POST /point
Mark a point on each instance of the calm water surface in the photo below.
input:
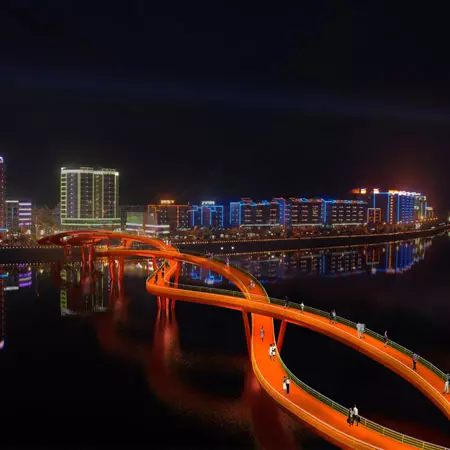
(81, 367)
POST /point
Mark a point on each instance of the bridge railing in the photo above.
(342, 320)
(320, 313)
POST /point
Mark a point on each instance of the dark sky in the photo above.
(211, 101)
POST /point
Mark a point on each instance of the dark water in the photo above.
(120, 374)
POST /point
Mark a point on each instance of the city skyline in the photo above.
(228, 102)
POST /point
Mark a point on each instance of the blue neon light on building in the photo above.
(208, 214)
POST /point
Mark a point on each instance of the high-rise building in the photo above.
(167, 212)
(18, 216)
(89, 198)
(2, 196)
(420, 207)
(208, 214)
(392, 206)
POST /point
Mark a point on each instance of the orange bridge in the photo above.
(326, 417)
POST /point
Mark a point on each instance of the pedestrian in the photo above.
(228, 262)
(414, 360)
(302, 307)
(274, 351)
(358, 329)
(350, 417)
(386, 339)
(286, 302)
(262, 333)
(270, 351)
(284, 384)
(334, 315)
(447, 384)
(288, 385)
(356, 415)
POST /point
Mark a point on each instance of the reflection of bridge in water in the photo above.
(324, 415)
(253, 409)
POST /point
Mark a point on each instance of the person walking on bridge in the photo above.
(302, 307)
(262, 334)
(356, 415)
(363, 331)
(270, 351)
(284, 384)
(350, 417)
(414, 361)
(386, 339)
(447, 384)
(333, 316)
(358, 329)
(286, 302)
(274, 351)
(288, 384)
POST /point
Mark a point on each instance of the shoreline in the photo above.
(235, 246)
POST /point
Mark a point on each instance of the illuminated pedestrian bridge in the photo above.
(325, 416)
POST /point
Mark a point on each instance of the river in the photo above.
(82, 368)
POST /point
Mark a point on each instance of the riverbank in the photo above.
(239, 246)
(229, 247)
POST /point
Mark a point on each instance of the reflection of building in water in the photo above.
(391, 258)
(347, 261)
(201, 274)
(86, 294)
(2, 312)
(396, 257)
(17, 277)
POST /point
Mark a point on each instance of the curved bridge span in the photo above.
(325, 416)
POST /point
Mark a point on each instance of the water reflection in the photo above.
(252, 410)
(391, 258)
(94, 295)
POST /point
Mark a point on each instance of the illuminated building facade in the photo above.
(89, 198)
(167, 212)
(306, 212)
(392, 206)
(125, 209)
(247, 213)
(208, 214)
(429, 212)
(345, 213)
(18, 216)
(145, 224)
(2, 195)
(420, 207)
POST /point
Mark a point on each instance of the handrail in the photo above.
(321, 313)
(324, 399)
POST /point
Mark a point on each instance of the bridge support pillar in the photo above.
(177, 275)
(83, 256)
(91, 255)
(247, 332)
(120, 272)
(281, 334)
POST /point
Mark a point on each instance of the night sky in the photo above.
(211, 102)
